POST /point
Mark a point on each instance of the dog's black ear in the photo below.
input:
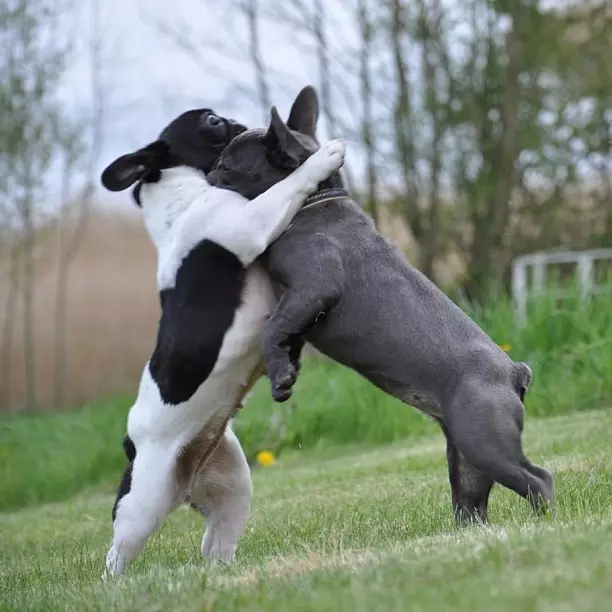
(283, 147)
(128, 169)
(305, 112)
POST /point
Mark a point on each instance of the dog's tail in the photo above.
(521, 379)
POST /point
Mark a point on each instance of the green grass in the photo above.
(568, 345)
(49, 457)
(344, 529)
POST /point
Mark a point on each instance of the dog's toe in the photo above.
(283, 384)
(336, 147)
(281, 395)
(216, 550)
(287, 379)
(115, 563)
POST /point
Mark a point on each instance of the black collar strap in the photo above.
(325, 195)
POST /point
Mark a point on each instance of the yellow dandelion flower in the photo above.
(266, 457)
(505, 347)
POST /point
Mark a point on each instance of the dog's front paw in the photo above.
(115, 564)
(282, 383)
(328, 159)
(217, 550)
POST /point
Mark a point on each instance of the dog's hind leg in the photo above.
(148, 492)
(485, 425)
(222, 492)
(470, 486)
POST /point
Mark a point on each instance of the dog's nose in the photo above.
(238, 128)
(213, 178)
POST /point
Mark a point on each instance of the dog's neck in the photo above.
(325, 195)
(167, 199)
(331, 188)
(333, 182)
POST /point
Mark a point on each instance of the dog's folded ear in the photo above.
(284, 149)
(128, 169)
(304, 113)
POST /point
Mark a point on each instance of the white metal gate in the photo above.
(539, 261)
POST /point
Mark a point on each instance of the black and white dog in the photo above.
(352, 294)
(214, 302)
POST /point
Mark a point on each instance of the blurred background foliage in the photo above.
(479, 130)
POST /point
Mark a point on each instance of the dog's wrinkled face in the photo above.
(258, 159)
(194, 139)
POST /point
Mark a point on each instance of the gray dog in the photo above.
(350, 292)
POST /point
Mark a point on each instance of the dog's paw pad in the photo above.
(281, 395)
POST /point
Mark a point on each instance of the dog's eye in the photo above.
(212, 120)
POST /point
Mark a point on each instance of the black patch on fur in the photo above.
(129, 448)
(124, 488)
(136, 194)
(126, 480)
(197, 508)
(196, 314)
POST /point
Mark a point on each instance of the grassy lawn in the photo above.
(343, 529)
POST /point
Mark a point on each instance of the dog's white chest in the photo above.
(243, 337)
(219, 394)
(182, 210)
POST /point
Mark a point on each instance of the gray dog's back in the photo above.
(352, 294)
(387, 310)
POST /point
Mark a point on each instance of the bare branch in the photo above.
(70, 239)
(367, 131)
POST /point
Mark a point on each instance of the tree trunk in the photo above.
(432, 59)
(323, 61)
(8, 326)
(251, 10)
(365, 28)
(403, 123)
(489, 229)
(29, 295)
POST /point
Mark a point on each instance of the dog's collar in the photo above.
(325, 195)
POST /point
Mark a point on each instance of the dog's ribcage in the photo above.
(188, 219)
